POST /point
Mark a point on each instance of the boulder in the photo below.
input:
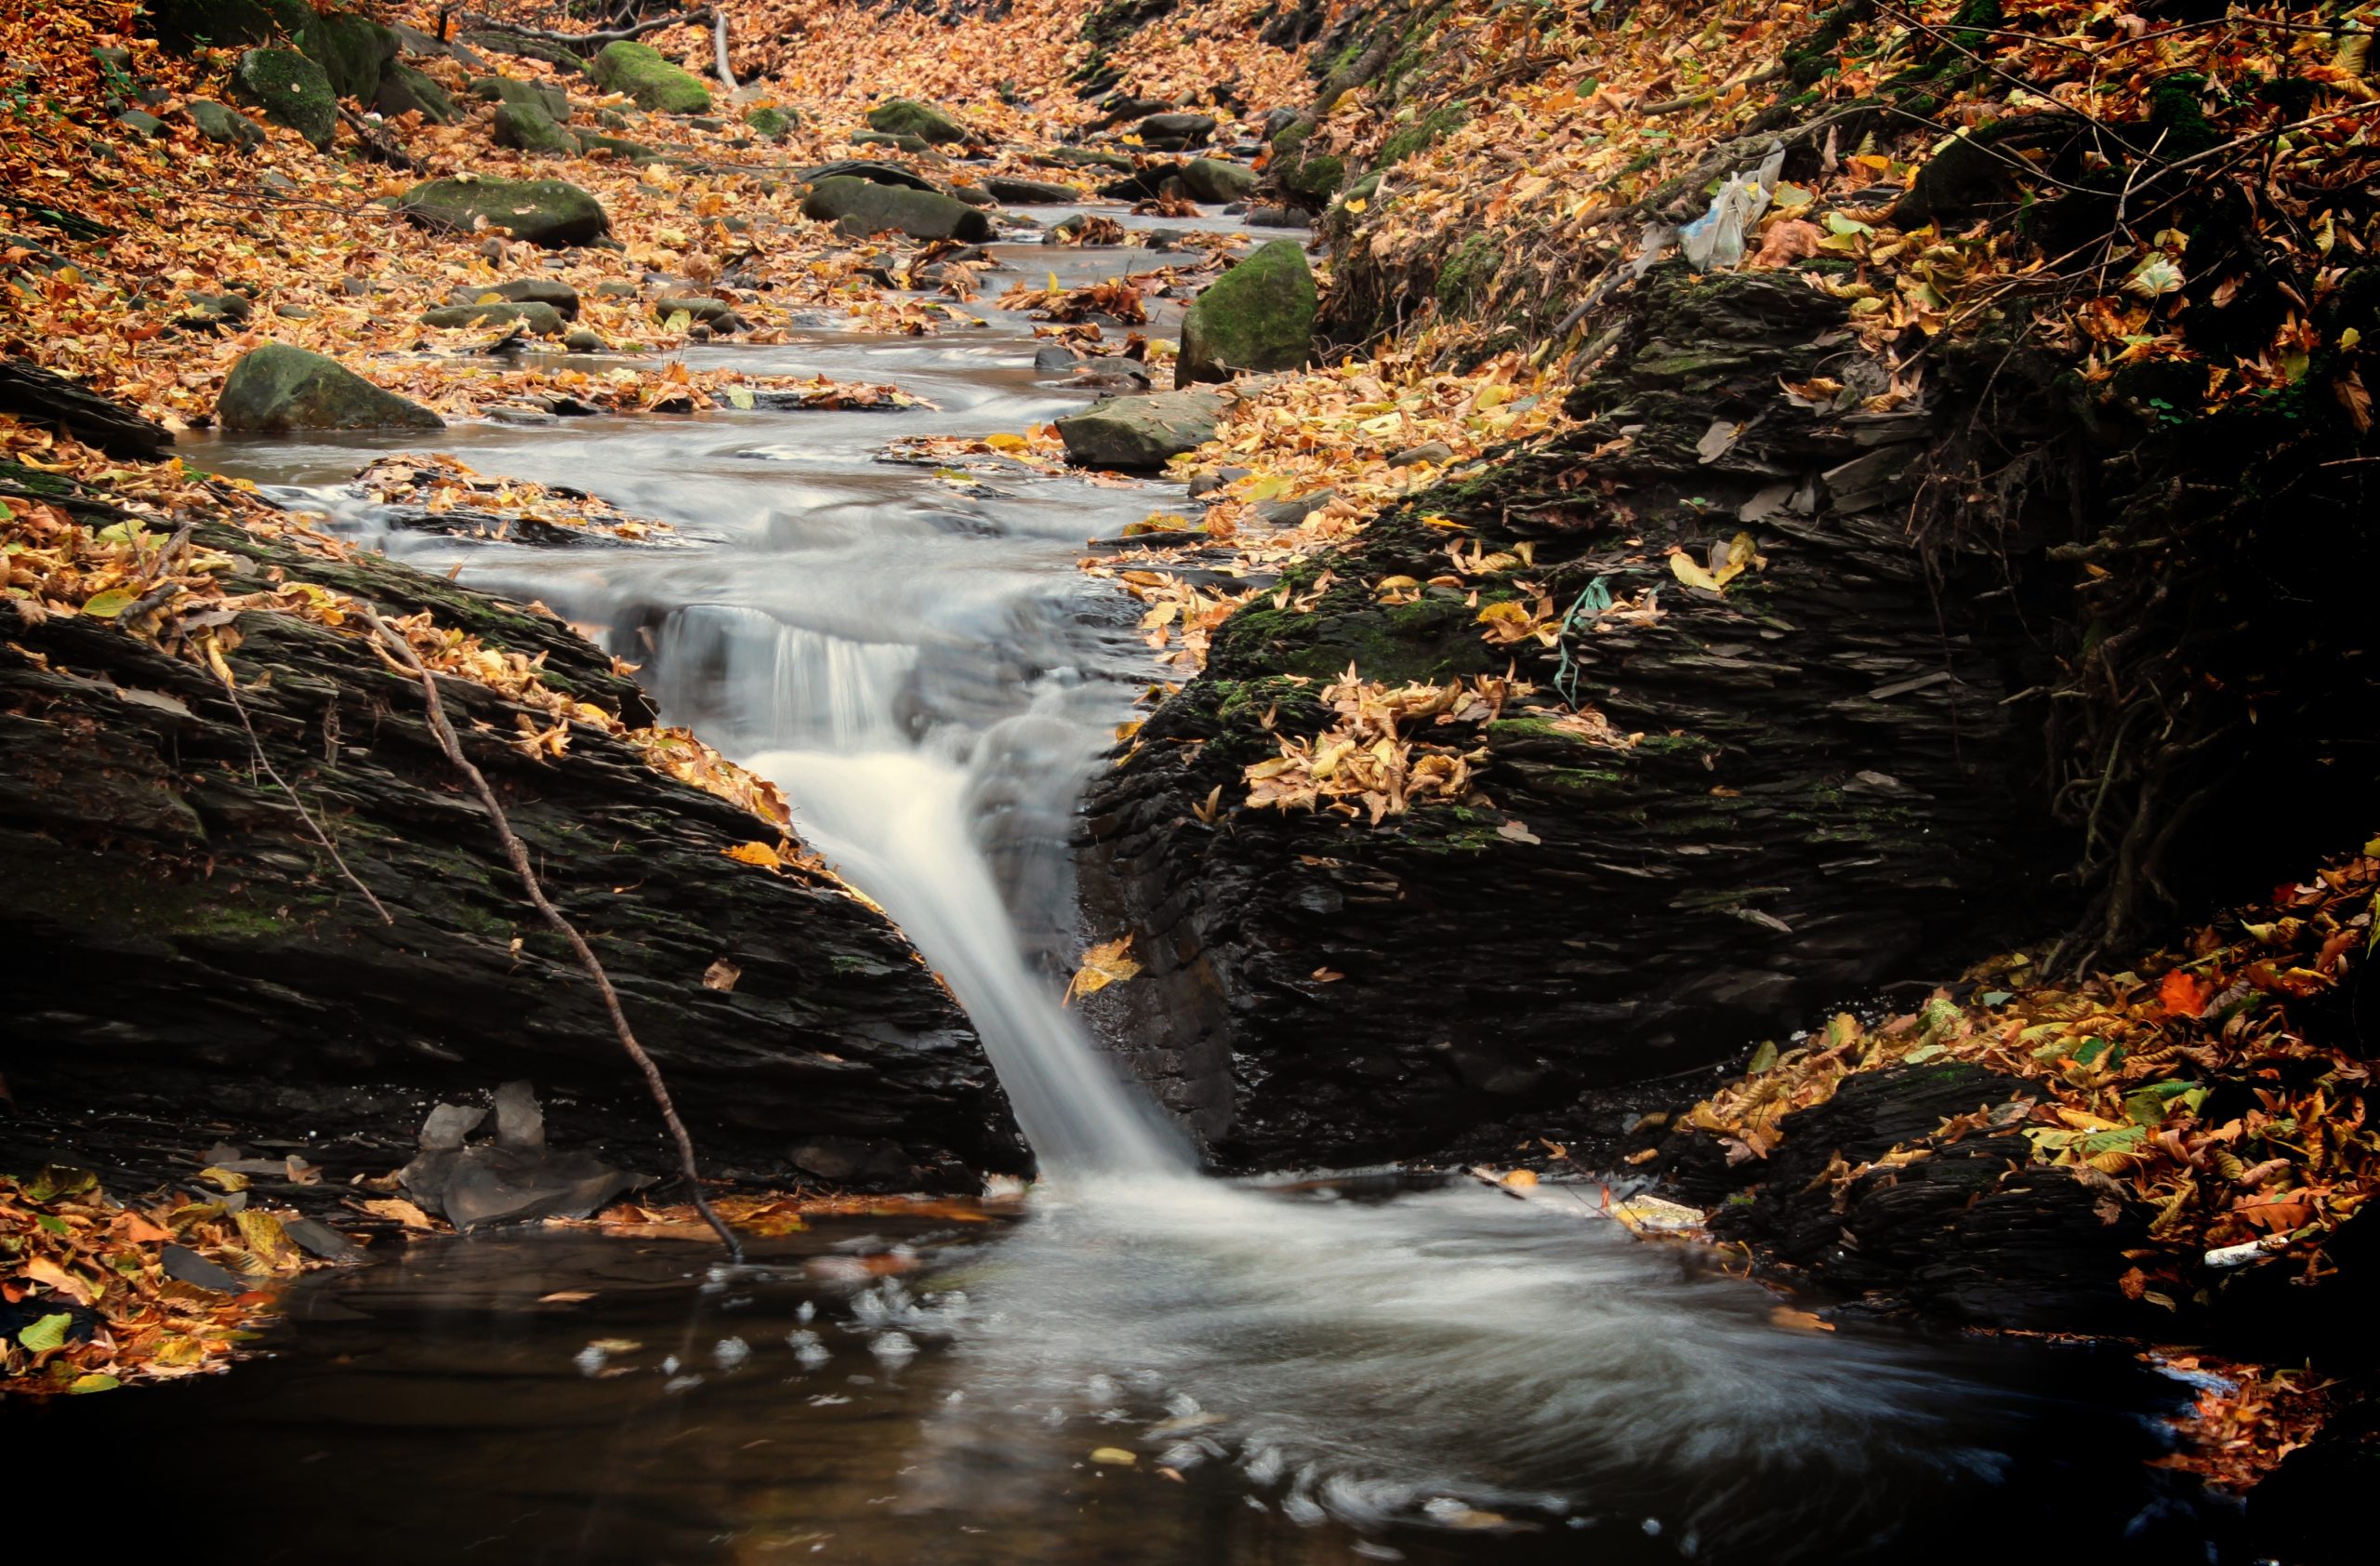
(639, 70)
(1168, 133)
(532, 130)
(542, 96)
(718, 314)
(774, 124)
(353, 51)
(618, 146)
(404, 90)
(868, 208)
(141, 123)
(1030, 192)
(861, 168)
(900, 142)
(1213, 179)
(277, 390)
(292, 90)
(906, 116)
(542, 319)
(547, 212)
(1257, 316)
(1140, 432)
(1086, 157)
(521, 290)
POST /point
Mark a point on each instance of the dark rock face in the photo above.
(864, 207)
(292, 90)
(178, 939)
(1826, 792)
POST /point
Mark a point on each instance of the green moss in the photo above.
(1421, 135)
(292, 90)
(639, 70)
(1316, 179)
(1464, 278)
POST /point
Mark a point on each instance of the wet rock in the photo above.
(448, 1126)
(852, 1159)
(1208, 483)
(1030, 192)
(223, 126)
(1057, 359)
(292, 90)
(1212, 179)
(277, 390)
(521, 290)
(973, 196)
(533, 130)
(866, 207)
(718, 314)
(542, 319)
(1292, 511)
(581, 340)
(906, 116)
(318, 1238)
(641, 71)
(1173, 133)
(186, 1266)
(1267, 216)
(141, 123)
(874, 173)
(1259, 315)
(544, 212)
(1140, 432)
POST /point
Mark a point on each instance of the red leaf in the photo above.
(2183, 996)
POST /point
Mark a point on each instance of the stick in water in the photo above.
(519, 855)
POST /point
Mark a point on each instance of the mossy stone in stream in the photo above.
(277, 389)
(1030, 192)
(521, 290)
(543, 320)
(533, 130)
(1257, 316)
(1140, 432)
(867, 208)
(292, 90)
(906, 116)
(1213, 179)
(353, 51)
(404, 90)
(639, 70)
(547, 212)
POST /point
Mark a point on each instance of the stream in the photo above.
(1142, 1364)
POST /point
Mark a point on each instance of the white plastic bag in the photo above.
(1716, 239)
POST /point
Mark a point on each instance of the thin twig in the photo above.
(256, 747)
(519, 854)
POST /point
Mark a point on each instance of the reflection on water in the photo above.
(1432, 1374)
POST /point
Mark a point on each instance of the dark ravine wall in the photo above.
(176, 939)
(1828, 792)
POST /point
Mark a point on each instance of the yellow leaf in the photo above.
(109, 604)
(401, 1210)
(1686, 569)
(1005, 443)
(758, 854)
(1108, 962)
(1114, 1455)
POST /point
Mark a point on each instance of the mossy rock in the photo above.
(277, 390)
(774, 124)
(862, 205)
(1463, 279)
(1419, 137)
(1257, 316)
(902, 141)
(1214, 179)
(1140, 432)
(542, 96)
(224, 127)
(1315, 180)
(619, 147)
(292, 90)
(404, 90)
(547, 212)
(533, 130)
(542, 319)
(353, 51)
(639, 70)
(906, 116)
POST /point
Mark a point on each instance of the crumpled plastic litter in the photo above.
(1716, 239)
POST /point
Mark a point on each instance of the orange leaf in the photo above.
(2182, 995)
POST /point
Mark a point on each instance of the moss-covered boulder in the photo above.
(1257, 316)
(550, 291)
(1140, 432)
(529, 129)
(353, 51)
(864, 207)
(774, 124)
(224, 127)
(639, 70)
(906, 116)
(1313, 180)
(548, 212)
(404, 90)
(541, 95)
(1214, 179)
(277, 390)
(542, 319)
(292, 90)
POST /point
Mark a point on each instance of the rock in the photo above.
(141, 123)
(874, 173)
(534, 131)
(718, 314)
(582, 339)
(448, 1127)
(514, 1178)
(292, 90)
(1057, 358)
(522, 290)
(774, 124)
(1428, 451)
(520, 1122)
(1292, 511)
(266, 996)
(542, 319)
(497, 41)
(873, 208)
(973, 196)
(1065, 228)
(852, 1159)
(1140, 432)
(1259, 315)
(1087, 157)
(541, 95)
(1212, 179)
(318, 1238)
(906, 116)
(277, 390)
(1266, 216)
(639, 70)
(1277, 121)
(1030, 192)
(903, 142)
(547, 212)
(222, 125)
(352, 49)
(1208, 483)
(214, 312)
(619, 147)
(1172, 133)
